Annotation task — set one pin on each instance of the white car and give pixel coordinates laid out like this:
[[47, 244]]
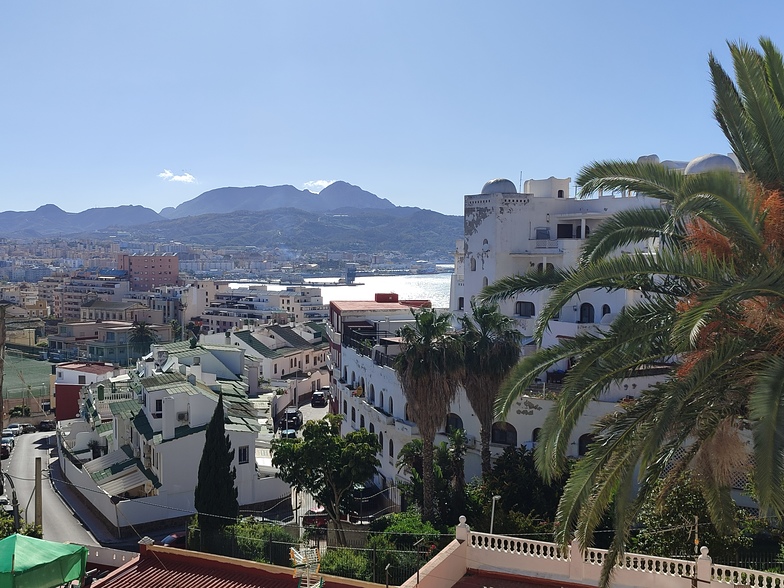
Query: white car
[[15, 428]]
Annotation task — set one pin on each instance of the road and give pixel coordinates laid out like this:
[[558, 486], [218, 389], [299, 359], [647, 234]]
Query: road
[[59, 522]]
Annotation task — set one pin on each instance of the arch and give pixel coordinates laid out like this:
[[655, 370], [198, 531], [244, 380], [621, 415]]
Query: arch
[[542, 267], [560, 193], [605, 309], [583, 442], [473, 264], [391, 449], [381, 399], [586, 312], [362, 421], [504, 434], [453, 423], [535, 435], [525, 308], [362, 382], [345, 407], [381, 440], [345, 374], [372, 428], [353, 415], [391, 410], [371, 394], [406, 416], [353, 378], [485, 282]]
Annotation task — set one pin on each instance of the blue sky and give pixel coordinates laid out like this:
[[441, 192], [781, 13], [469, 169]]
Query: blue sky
[[152, 103]]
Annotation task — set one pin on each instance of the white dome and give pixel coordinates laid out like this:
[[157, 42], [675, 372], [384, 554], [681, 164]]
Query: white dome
[[710, 162], [499, 186]]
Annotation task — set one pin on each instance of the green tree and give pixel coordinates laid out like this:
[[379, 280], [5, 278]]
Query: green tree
[[142, 336], [176, 328], [429, 368], [492, 348], [711, 306], [215, 500], [327, 465]]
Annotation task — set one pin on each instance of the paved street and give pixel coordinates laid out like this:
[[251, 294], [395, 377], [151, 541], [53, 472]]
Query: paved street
[[59, 523]]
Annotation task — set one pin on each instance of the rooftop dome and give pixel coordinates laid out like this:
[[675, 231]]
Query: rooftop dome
[[710, 162], [499, 186]]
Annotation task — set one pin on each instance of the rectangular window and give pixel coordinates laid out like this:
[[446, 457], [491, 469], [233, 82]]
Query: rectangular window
[[243, 454], [82, 379], [158, 408]]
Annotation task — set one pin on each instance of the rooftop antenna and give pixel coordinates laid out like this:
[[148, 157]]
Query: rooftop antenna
[[520, 189]]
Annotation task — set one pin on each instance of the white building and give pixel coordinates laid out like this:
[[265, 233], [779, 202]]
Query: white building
[[153, 429], [506, 233]]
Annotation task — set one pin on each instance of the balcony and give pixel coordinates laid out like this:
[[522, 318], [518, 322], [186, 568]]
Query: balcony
[[381, 416], [406, 427]]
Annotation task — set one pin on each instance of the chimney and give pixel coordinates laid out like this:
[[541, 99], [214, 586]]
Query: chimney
[[148, 367]]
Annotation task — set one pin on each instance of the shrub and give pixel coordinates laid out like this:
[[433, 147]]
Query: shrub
[[346, 563]]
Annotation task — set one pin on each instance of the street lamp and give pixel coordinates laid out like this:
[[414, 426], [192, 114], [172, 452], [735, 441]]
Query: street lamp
[[496, 498]]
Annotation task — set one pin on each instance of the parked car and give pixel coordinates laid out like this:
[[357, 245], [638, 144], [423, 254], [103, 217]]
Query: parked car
[[319, 398], [288, 434], [15, 428], [8, 441], [7, 433], [46, 425], [292, 416], [176, 540], [28, 428], [5, 452]]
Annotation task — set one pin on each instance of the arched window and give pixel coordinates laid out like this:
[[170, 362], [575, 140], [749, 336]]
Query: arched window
[[535, 435], [605, 309], [583, 443], [542, 267], [362, 421], [391, 407], [578, 231], [345, 374], [391, 449], [504, 434], [485, 282], [406, 416], [560, 193], [353, 379], [353, 415], [525, 308], [381, 403], [345, 407], [371, 394], [372, 428], [460, 303], [586, 312], [381, 440], [473, 264], [453, 422], [362, 383]]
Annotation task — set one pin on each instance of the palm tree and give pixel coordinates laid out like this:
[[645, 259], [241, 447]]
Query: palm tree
[[491, 347], [429, 368], [713, 306], [142, 336]]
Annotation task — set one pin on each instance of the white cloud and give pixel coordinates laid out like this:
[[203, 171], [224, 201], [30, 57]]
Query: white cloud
[[317, 186], [185, 178]]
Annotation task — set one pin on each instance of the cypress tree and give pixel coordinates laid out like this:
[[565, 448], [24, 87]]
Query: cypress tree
[[216, 496]]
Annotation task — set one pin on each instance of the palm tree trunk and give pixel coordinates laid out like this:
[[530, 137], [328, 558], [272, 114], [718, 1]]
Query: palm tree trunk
[[484, 440], [428, 475]]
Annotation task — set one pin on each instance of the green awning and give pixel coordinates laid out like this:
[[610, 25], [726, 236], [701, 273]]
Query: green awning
[[27, 562]]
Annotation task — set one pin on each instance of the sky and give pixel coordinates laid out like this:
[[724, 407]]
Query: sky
[[420, 102]]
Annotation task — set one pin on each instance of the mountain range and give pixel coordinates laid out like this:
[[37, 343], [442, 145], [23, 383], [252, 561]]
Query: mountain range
[[342, 217]]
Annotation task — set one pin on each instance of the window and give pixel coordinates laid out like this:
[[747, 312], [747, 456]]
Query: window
[[473, 264], [504, 434], [485, 282], [362, 421], [391, 449], [372, 428], [583, 443], [586, 312], [541, 267], [158, 408], [535, 435], [82, 379], [560, 193], [345, 407], [391, 407], [605, 309], [525, 308], [242, 454], [381, 440], [453, 422], [353, 415], [460, 303]]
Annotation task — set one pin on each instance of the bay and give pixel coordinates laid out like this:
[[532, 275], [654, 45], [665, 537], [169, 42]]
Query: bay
[[433, 287]]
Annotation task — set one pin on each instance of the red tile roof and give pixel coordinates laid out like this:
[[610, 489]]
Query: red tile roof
[[168, 567]]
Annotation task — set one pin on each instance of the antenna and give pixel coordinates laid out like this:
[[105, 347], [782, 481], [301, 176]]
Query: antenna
[[520, 189]]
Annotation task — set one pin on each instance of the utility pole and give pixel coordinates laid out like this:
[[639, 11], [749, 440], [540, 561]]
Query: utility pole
[[38, 495]]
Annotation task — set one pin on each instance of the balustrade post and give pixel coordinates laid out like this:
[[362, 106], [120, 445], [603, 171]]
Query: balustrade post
[[576, 561], [704, 567], [461, 530]]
